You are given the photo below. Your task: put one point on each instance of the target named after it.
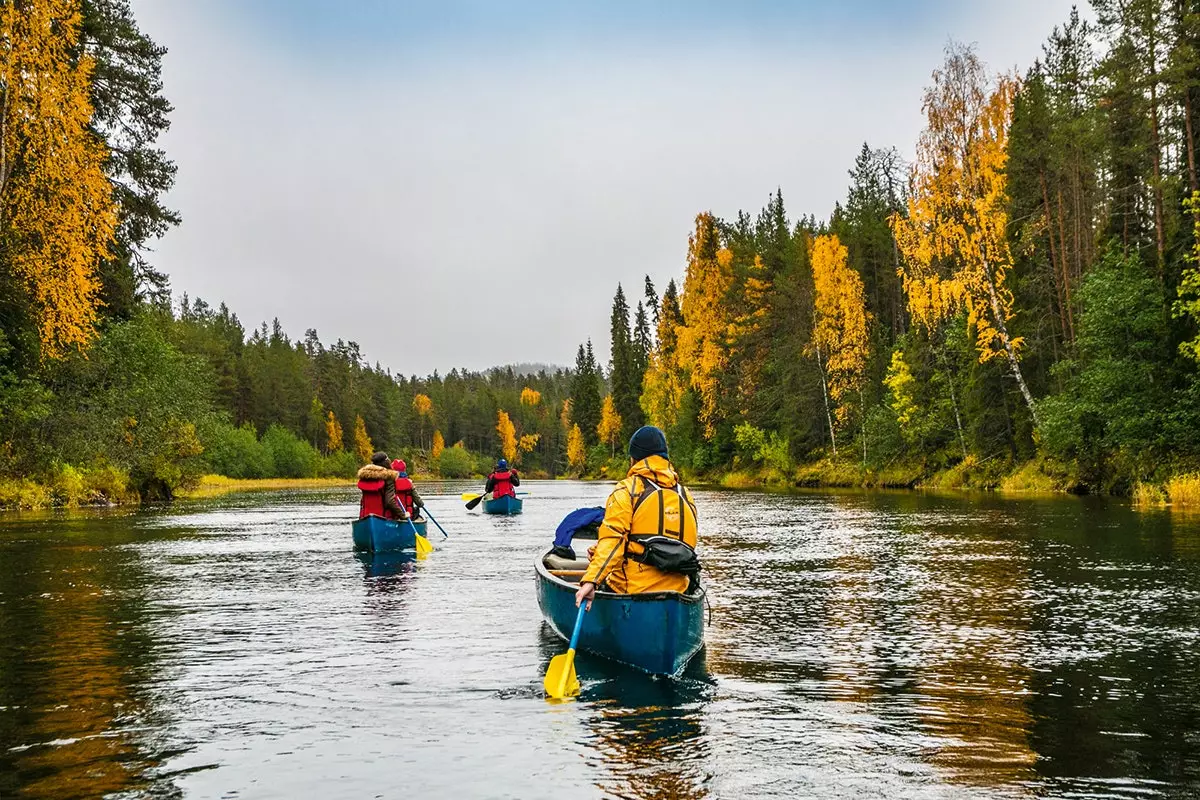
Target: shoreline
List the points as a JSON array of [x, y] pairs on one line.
[[1181, 492]]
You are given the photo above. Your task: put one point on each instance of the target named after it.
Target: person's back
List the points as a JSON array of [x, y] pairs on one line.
[[378, 486], [503, 481], [406, 492], [648, 538]]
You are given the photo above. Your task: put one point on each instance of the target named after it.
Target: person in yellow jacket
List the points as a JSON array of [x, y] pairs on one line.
[[649, 517]]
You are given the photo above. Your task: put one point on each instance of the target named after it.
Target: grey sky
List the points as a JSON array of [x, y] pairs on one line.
[[458, 194]]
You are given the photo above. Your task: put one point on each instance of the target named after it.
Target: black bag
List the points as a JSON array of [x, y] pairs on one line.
[[667, 554]]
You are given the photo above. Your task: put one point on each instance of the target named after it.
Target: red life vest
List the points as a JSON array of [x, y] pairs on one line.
[[502, 485], [372, 500], [404, 493]]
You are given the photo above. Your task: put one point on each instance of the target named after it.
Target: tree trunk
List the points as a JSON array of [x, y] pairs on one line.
[[962, 439], [1054, 261], [825, 394], [1158, 193], [1006, 340], [1191, 143], [1062, 246], [862, 410]]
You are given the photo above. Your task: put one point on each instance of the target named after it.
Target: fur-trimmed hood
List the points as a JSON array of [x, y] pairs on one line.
[[374, 472]]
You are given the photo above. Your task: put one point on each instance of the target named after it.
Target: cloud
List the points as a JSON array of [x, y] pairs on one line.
[[474, 201]]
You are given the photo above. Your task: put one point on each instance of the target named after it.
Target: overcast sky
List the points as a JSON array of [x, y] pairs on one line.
[[464, 182]]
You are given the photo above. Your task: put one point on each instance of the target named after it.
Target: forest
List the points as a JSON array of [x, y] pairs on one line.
[[1014, 305]]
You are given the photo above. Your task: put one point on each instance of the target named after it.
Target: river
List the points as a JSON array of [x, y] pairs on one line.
[[873, 645]]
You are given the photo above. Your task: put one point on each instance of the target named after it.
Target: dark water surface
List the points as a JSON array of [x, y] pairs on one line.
[[862, 645]]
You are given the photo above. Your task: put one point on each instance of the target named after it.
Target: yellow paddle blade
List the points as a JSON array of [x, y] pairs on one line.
[[469, 496], [560, 680], [424, 548]]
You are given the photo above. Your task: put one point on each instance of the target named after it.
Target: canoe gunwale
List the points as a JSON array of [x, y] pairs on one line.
[[697, 598]]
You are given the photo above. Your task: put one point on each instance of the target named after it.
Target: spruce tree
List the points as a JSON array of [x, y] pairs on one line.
[[624, 374], [585, 393]]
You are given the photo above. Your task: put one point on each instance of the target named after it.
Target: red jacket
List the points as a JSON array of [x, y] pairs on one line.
[[378, 487]]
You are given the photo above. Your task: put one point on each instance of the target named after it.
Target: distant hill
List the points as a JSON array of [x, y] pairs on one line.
[[527, 368]]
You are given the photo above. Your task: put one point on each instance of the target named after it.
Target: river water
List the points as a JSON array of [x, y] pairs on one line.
[[861, 645]]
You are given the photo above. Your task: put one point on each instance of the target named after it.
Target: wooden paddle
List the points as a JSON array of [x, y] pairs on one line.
[[560, 680]]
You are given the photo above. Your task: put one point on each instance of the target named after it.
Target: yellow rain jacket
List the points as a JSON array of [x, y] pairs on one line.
[[637, 508]]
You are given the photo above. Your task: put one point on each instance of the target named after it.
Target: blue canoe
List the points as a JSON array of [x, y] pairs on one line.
[[657, 632], [378, 535], [503, 505]]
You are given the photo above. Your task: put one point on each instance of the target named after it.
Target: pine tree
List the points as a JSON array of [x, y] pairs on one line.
[[131, 113], [585, 392], [626, 377]]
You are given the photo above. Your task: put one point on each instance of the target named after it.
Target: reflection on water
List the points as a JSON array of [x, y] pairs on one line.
[[862, 645]]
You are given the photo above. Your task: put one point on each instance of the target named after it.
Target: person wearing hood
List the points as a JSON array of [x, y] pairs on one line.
[[503, 482], [406, 493], [648, 537], [378, 486]]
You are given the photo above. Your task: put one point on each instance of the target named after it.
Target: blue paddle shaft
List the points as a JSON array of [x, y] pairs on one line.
[[578, 625], [435, 522]]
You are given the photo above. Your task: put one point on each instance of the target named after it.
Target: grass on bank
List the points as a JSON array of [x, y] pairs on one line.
[[216, 485]]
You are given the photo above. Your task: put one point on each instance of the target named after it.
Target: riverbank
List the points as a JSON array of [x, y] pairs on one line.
[[1031, 477], [217, 485]]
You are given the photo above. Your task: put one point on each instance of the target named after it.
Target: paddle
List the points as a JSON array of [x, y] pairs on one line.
[[424, 548], [468, 496], [435, 522], [472, 503], [560, 675], [560, 680]]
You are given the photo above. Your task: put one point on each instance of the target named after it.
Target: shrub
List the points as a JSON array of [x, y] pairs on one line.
[[456, 462], [339, 465], [236, 452], [1184, 491], [290, 457]]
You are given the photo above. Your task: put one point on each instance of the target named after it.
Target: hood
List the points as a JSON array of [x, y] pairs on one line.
[[374, 472], [656, 469]]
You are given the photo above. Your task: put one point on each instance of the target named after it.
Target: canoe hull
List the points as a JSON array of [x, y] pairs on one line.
[[378, 535], [503, 505], [657, 633]]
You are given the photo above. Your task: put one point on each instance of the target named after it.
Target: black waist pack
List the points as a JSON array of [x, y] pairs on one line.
[[667, 555]]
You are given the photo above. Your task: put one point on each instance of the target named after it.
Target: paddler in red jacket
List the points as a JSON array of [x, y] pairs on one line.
[[503, 482], [378, 486], [406, 493]]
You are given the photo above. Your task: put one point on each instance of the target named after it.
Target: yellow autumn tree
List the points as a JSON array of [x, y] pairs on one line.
[[57, 213], [840, 338], [527, 442], [423, 406], [530, 397], [701, 348], [564, 416], [954, 238], [508, 436], [333, 433], [439, 444], [576, 451], [363, 447], [609, 429]]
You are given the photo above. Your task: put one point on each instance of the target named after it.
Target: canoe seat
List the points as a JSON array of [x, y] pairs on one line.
[[560, 564]]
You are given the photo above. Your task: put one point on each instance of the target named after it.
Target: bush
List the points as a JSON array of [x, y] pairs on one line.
[[456, 462], [339, 465], [236, 452], [290, 457]]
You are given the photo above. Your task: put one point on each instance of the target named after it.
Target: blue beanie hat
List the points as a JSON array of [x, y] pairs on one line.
[[502, 464], [647, 441]]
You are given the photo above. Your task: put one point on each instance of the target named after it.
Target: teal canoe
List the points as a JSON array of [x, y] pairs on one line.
[[378, 535], [656, 632], [503, 505]]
